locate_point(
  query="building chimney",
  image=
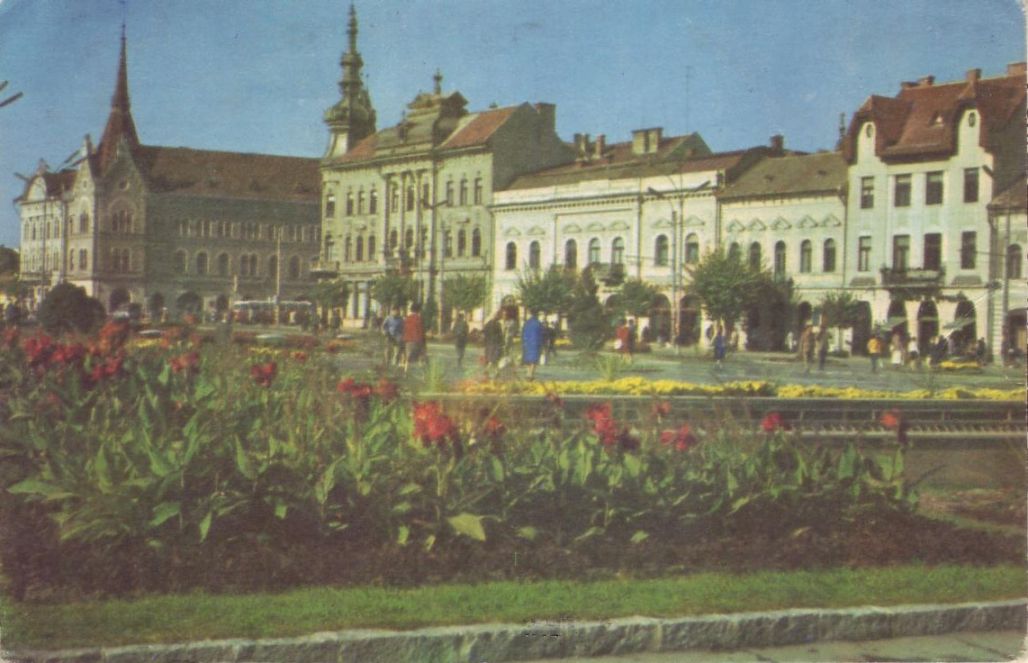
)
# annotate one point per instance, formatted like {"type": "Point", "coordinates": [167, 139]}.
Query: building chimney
{"type": "Point", "coordinates": [778, 143]}
{"type": "Point", "coordinates": [87, 145]}
{"type": "Point", "coordinates": [601, 144]}
{"type": "Point", "coordinates": [906, 85]}
{"type": "Point", "coordinates": [974, 75]}
{"type": "Point", "coordinates": [656, 134]}
{"type": "Point", "coordinates": [582, 147]}
{"type": "Point", "coordinates": [639, 141]}
{"type": "Point", "coordinates": [1017, 69]}
{"type": "Point", "coordinates": [926, 81]}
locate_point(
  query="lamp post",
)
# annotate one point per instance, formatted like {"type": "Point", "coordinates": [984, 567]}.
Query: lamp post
{"type": "Point", "coordinates": [442, 257]}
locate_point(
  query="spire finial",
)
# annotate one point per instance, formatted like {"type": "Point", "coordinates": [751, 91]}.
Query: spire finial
{"type": "Point", "coordinates": [438, 79]}
{"type": "Point", "coordinates": [352, 29]}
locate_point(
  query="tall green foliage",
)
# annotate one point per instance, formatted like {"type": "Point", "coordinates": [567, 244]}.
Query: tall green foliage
{"type": "Point", "coordinates": [841, 310]}
{"type": "Point", "coordinates": [330, 294]}
{"type": "Point", "coordinates": [635, 297]}
{"type": "Point", "coordinates": [551, 291]}
{"type": "Point", "coordinates": [391, 290]}
{"type": "Point", "coordinates": [464, 292]}
{"type": "Point", "coordinates": [724, 285]}
{"type": "Point", "coordinates": [589, 323]}
{"type": "Point", "coordinates": [68, 308]}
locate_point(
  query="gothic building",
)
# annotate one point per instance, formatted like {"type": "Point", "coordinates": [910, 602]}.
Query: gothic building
{"type": "Point", "coordinates": [176, 228]}
{"type": "Point", "coordinates": [414, 197]}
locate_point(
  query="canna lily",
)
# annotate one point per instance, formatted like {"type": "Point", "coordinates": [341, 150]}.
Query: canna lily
{"type": "Point", "coordinates": [773, 422]}
{"type": "Point", "coordinates": [264, 374]}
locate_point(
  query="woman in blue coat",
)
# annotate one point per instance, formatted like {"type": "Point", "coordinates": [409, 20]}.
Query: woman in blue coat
{"type": "Point", "coordinates": [531, 343]}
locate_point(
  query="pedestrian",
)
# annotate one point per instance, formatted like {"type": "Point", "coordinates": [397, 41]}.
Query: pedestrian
{"type": "Point", "coordinates": [981, 352]}
{"type": "Point", "coordinates": [621, 339]}
{"type": "Point", "coordinates": [337, 321]}
{"type": "Point", "coordinates": [549, 342]}
{"type": "Point", "coordinates": [531, 343]}
{"type": "Point", "coordinates": [460, 338]}
{"type": "Point", "coordinates": [807, 342]}
{"type": "Point", "coordinates": [720, 347]}
{"type": "Point", "coordinates": [874, 350]}
{"type": "Point", "coordinates": [492, 338]}
{"type": "Point", "coordinates": [789, 347]}
{"type": "Point", "coordinates": [896, 349]}
{"type": "Point", "coordinates": [632, 338]}
{"type": "Point", "coordinates": [822, 348]}
{"type": "Point", "coordinates": [392, 327]}
{"type": "Point", "coordinates": [913, 354]}
{"type": "Point", "coordinates": [414, 337]}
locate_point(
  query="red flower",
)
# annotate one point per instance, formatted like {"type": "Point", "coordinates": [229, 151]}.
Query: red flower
{"type": "Point", "coordinates": [185, 363]}
{"type": "Point", "coordinates": [72, 353]}
{"type": "Point", "coordinates": [891, 419]}
{"type": "Point", "coordinates": [386, 390]}
{"type": "Point", "coordinates": [773, 422]}
{"type": "Point", "coordinates": [682, 439]}
{"type": "Point", "coordinates": [661, 409]}
{"type": "Point", "coordinates": [10, 338]}
{"type": "Point", "coordinates": [103, 369]}
{"type": "Point", "coordinates": [603, 423]}
{"type": "Point", "coordinates": [555, 400]}
{"type": "Point", "coordinates": [300, 356]}
{"type": "Point", "coordinates": [38, 349]}
{"type": "Point", "coordinates": [264, 374]}
{"type": "Point", "coordinates": [493, 429]}
{"type": "Point", "coordinates": [432, 426]}
{"type": "Point", "coordinates": [111, 338]}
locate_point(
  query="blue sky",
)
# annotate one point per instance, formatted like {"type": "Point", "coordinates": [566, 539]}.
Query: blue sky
{"type": "Point", "coordinates": [256, 75]}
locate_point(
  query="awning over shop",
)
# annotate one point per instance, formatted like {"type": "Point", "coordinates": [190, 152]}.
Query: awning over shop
{"type": "Point", "coordinates": [959, 323]}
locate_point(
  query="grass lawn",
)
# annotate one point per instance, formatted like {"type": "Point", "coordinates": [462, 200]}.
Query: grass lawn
{"type": "Point", "coordinates": [304, 611]}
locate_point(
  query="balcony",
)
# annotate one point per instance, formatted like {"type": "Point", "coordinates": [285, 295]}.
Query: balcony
{"type": "Point", "coordinates": [610, 274]}
{"type": "Point", "coordinates": [913, 278]}
{"type": "Point", "coordinates": [325, 269]}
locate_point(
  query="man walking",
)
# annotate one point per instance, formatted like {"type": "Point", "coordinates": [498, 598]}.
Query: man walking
{"type": "Point", "coordinates": [392, 328]}
{"type": "Point", "coordinates": [414, 337]}
{"type": "Point", "coordinates": [492, 337]}
{"type": "Point", "coordinates": [874, 350]}
{"type": "Point", "coordinates": [460, 338]}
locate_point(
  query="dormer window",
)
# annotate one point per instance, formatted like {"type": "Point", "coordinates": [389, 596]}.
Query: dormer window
{"type": "Point", "coordinates": [869, 130]}
{"type": "Point", "coordinates": [937, 119]}
{"type": "Point", "coordinates": [972, 118]}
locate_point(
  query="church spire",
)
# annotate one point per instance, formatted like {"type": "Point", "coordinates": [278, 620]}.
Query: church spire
{"type": "Point", "coordinates": [120, 125]}
{"type": "Point", "coordinates": [353, 117]}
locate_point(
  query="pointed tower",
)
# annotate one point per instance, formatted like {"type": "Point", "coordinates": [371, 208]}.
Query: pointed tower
{"type": "Point", "coordinates": [353, 118]}
{"type": "Point", "coordinates": [120, 126]}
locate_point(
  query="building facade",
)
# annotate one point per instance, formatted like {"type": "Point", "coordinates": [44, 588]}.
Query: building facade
{"type": "Point", "coordinates": [627, 210]}
{"type": "Point", "coordinates": [923, 167]}
{"type": "Point", "coordinates": [177, 228]}
{"type": "Point", "coordinates": [414, 198]}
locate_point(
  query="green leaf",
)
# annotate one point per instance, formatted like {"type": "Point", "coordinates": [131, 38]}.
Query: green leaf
{"type": "Point", "coordinates": [204, 390]}
{"type": "Point", "coordinates": [589, 533]}
{"type": "Point", "coordinates": [164, 377]}
{"type": "Point", "coordinates": [496, 469]}
{"type": "Point", "coordinates": [205, 526]}
{"type": "Point", "coordinates": [847, 463]}
{"type": "Point", "coordinates": [469, 525]}
{"type": "Point", "coordinates": [164, 511]}
{"type": "Point", "coordinates": [402, 534]}
{"type": "Point", "coordinates": [243, 462]}
{"type": "Point", "coordinates": [410, 488]}
{"type": "Point", "coordinates": [281, 508]}
{"type": "Point", "coordinates": [35, 487]}
{"type": "Point", "coordinates": [640, 536]}
{"type": "Point", "coordinates": [529, 533]}
{"type": "Point", "coordinates": [633, 466]}
{"type": "Point", "coordinates": [429, 542]}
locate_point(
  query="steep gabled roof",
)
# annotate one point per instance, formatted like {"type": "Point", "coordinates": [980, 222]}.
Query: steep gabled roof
{"type": "Point", "coordinates": [56, 184]}
{"type": "Point", "coordinates": [921, 121]}
{"type": "Point", "coordinates": [192, 172]}
{"type": "Point", "coordinates": [477, 128]}
{"type": "Point", "coordinates": [820, 173]}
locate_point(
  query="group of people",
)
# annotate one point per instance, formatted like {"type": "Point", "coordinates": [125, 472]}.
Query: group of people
{"type": "Point", "coordinates": [538, 342]}
{"type": "Point", "coordinates": [625, 338]}
{"type": "Point", "coordinates": [903, 351]}
{"type": "Point", "coordinates": [405, 337]}
{"type": "Point", "coordinates": [814, 344]}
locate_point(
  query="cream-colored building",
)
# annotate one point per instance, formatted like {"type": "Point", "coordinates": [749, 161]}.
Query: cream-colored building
{"type": "Point", "coordinates": [414, 198]}
{"type": "Point", "coordinates": [627, 210]}
{"type": "Point", "coordinates": [923, 167]}
{"type": "Point", "coordinates": [1008, 227]}
{"type": "Point", "coordinates": [788, 214]}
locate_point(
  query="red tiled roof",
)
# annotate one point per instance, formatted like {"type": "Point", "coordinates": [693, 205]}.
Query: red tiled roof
{"type": "Point", "coordinates": [56, 184]}
{"type": "Point", "coordinates": [479, 129]}
{"type": "Point", "coordinates": [230, 174]}
{"type": "Point", "coordinates": [920, 122]}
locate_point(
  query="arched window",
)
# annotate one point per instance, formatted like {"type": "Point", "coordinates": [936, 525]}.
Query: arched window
{"type": "Point", "coordinates": [449, 192]}
{"type": "Point", "coordinates": [371, 247]}
{"type": "Point", "coordinates": [201, 263]}
{"type": "Point", "coordinates": [476, 242]}
{"type": "Point", "coordinates": [617, 251]}
{"type": "Point", "coordinates": [349, 203]}
{"type": "Point", "coordinates": [347, 249]}
{"type": "Point", "coordinates": [448, 244]}
{"type": "Point", "coordinates": [411, 197]}
{"type": "Point", "coordinates": [755, 255]}
{"type": "Point", "coordinates": [180, 262]}
{"type": "Point", "coordinates": [692, 249]}
{"type": "Point", "coordinates": [330, 245]}
{"type": "Point", "coordinates": [462, 242]}
{"type": "Point", "coordinates": [594, 251]}
{"type": "Point", "coordinates": [394, 240]}
{"type": "Point", "coordinates": [273, 267]}
{"type": "Point", "coordinates": [360, 201]}
{"type": "Point", "coordinates": [408, 239]}
{"type": "Point", "coordinates": [83, 223]}
{"type": "Point", "coordinates": [463, 192]}
{"type": "Point", "coordinates": [660, 251]}
{"type": "Point", "coordinates": [734, 251]}
{"type": "Point", "coordinates": [294, 267]}
{"type": "Point", "coordinates": [571, 254]}
{"type": "Point", "coordinates": [360, 249]}
{"type": "Point", "coordinates": [534, 255]}
{"type": "Point", "coordinates": [780, 260]}
{"type": "Point", "coordinates": [1014, 261]}
{"type": "Point", "coordinates": [223, 264]}
{"type": "Point", "coordinates": [512, 256]}
{"type": "Point", "coordinates": [478, 190]}
{"type": "Point", "coordinates": [330, 205]}
{"type": "Point", "coordinates": [394, 198]}
{"type": "Point", "coordinates": [829, 255]}
{"type": "Point", "coordinates": [805, 256]}
{"type": "Point", "coordinates": [373, 201]}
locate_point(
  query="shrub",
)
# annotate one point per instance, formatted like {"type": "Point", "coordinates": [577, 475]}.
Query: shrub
{"type": "Point", "coordinates": [67, 308]}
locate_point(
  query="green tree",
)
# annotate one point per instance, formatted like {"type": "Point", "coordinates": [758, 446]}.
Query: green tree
{"type": "Point", "coordinates": [393, 290]}
{"type": "Point", "coordinates": [330, 294]}
{"type": "Point", "coordinates": [725, 285]}
{"type": "Point", "coordinates": [840, 310]}
{"type": "Point", "coordinates": [551, 291]}
{"type": "Point", "coordinates": [588, 322]}
{"type": "Point", "coordinates": [9, 260]}
{"type": "Point", "coordinates": [68, 308]}
{"type": "Point", "coordinates": [464, 293]}
{"type": "Point", "coordinates": [635, 298]}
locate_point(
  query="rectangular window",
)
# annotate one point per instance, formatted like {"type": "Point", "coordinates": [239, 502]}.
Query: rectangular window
{"type": "Point", "coordinates": [968, 248]}
{"type": "Point", "coordinates": [932, 251]}
{"type": "Point", "coordinates": [970, 185]}
{"type": "Point", "coordinates": [867, 192]}
{"type": "Point", "coordinates": [900, 252]}
{"type": "Point", "coordinates": [901, 194]}
{"type": "Point", "coordinates": [933, 188]}
{"type": "Point", "coordinates": [83, 259]}
{"type": "Point", "coordinates": [864, 255]}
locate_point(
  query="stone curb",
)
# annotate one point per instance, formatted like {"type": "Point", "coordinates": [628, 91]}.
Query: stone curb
{"type": "Point", "coordinates": [493, 643]}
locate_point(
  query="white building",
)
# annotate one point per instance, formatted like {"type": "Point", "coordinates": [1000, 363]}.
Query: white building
{"type": "Point", "coordinates": [923, 166]}
{"type": "Point", "coordinates": [628, 210]}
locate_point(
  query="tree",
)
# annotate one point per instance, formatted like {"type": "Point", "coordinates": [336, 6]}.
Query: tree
{"type": "Point", "coordinates": [724, 285]}
{"type": "Point", "coordinates": [841, 310]}
{"type": "Point", "coordinates": [9, 283]}
{"type": "Point", "coordinates": [330, 294]}
{"type": "Point", "coordinates": [393, 290]}
{"type": "Point", "coordinates": [551, 291]}
{"type": "Point", "coordinates": [464, 293]}
{"type": "Point", "coordinates": [635, 298]}
{"type": "Point", "coordinates": [9, 260]}
{"type": "Point", "coordinates": [68, 308]}
{"type": "Point", "coordinates": [588, 322]}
